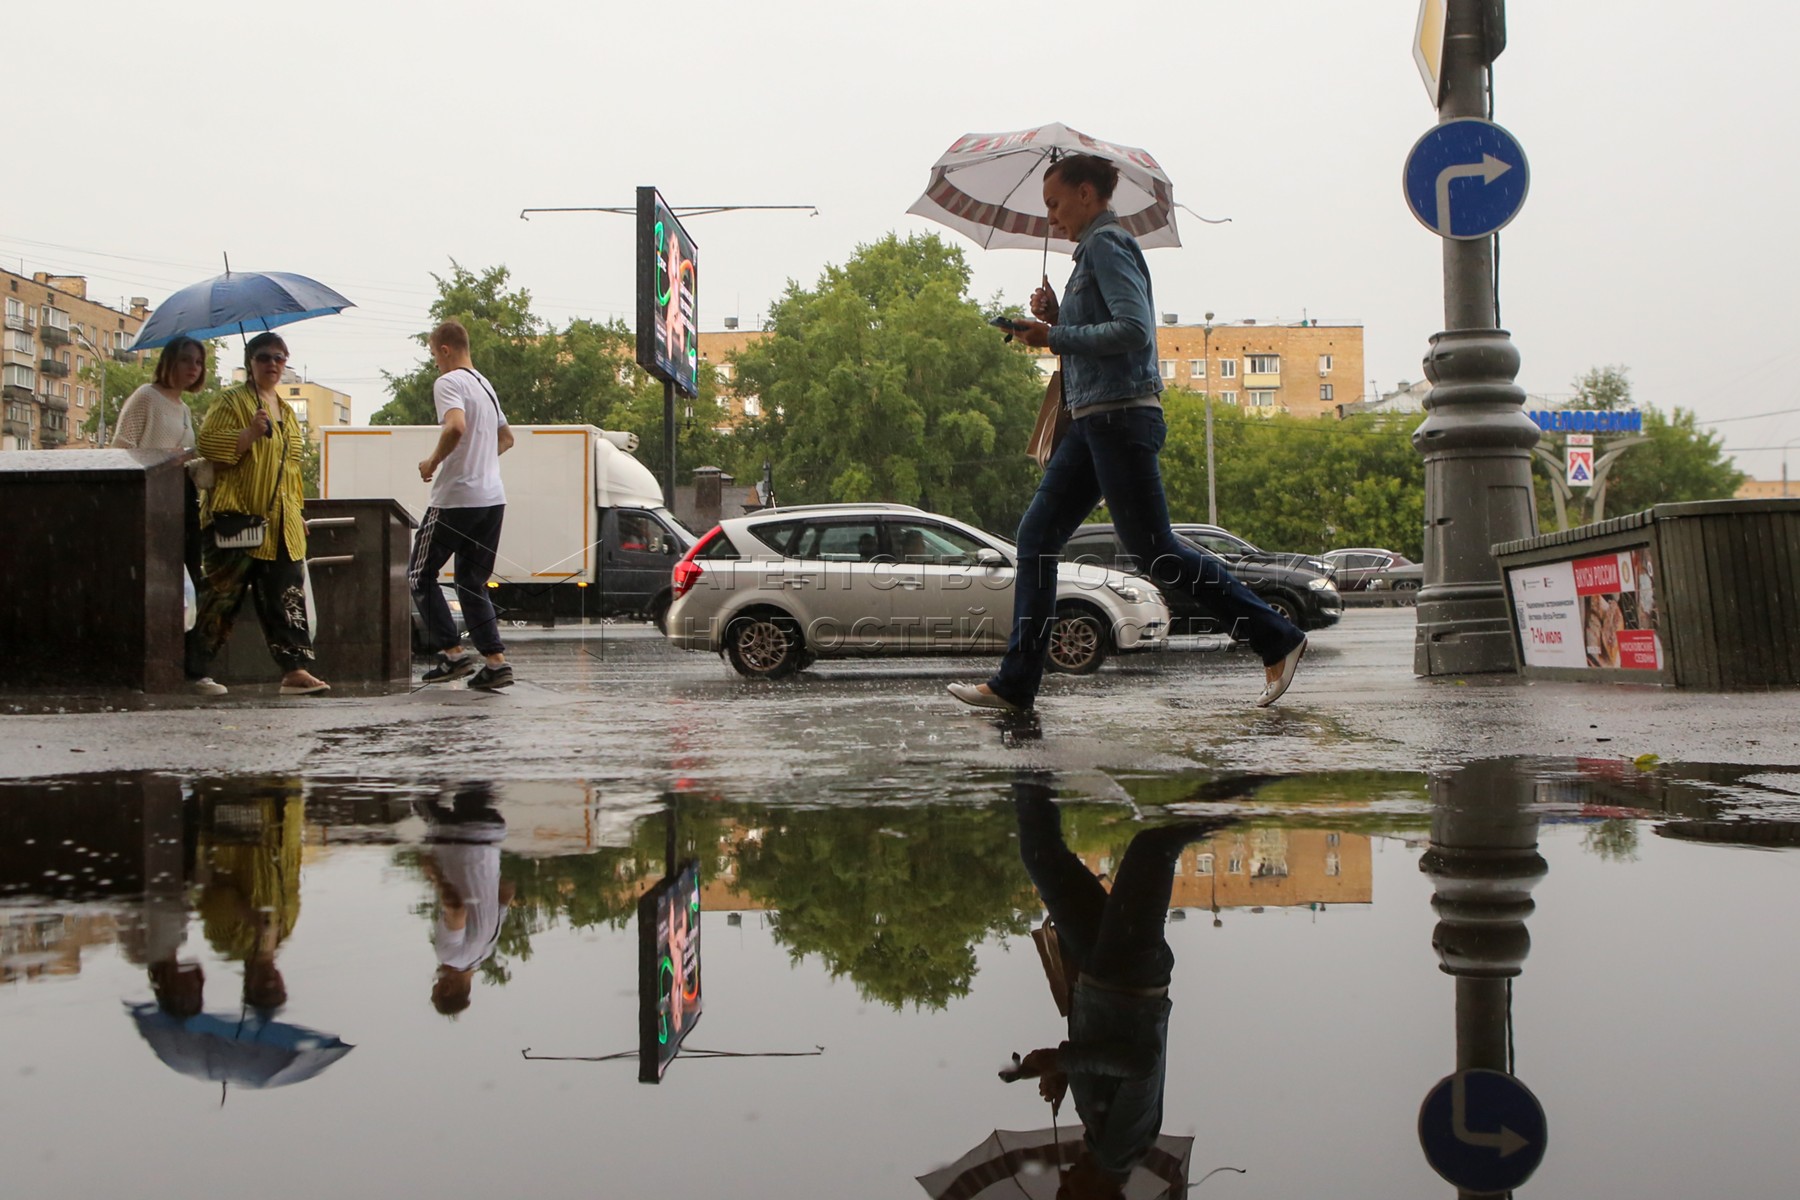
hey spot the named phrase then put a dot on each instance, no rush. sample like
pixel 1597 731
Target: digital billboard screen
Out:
pixel 668 969
pixel 668 289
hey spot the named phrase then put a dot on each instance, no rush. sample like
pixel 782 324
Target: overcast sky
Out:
pixel 368 144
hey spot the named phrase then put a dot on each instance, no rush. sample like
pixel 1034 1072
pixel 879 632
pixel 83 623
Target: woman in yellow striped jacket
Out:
pixel 253 439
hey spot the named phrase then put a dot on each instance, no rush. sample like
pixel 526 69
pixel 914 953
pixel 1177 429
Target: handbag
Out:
pixel 238 531
pixel 243 531
pixel 1049 947
pixel 1052 423
pixel 199 468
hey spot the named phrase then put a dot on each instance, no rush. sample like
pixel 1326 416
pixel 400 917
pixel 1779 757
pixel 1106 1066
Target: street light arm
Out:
pixel 100 366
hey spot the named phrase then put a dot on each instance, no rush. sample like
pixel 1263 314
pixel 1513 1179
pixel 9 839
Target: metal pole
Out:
pixel 1476 439
pixel 99 365
pixel 668 445
pixel 1212 491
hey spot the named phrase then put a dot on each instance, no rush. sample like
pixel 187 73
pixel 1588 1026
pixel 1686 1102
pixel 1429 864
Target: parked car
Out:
pixel 777 589
pixel 1355 568
pixel 1399 586
pixel 1233 549
pixel 1302 595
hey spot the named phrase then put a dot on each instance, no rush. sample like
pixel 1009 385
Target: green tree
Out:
pixel 882 382
pixel 1607 388
pixel 1679 461
pixel 114 381
pixel 896 899
pixel 1302 484
pixel 583 374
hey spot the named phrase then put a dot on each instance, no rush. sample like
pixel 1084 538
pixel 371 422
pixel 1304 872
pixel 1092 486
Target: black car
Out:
pixel 1234 549
pixel 1302 594
pixel 1355 569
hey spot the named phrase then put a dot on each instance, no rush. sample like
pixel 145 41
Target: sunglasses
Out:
pixel 268 356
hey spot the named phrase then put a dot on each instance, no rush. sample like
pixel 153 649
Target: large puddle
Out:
pixel 324 987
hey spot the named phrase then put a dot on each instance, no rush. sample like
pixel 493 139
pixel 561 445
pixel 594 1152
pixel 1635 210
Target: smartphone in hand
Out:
pixel 1007 323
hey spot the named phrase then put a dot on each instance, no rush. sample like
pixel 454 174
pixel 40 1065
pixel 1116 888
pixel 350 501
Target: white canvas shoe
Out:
pixel 972 695
pixel 1272 691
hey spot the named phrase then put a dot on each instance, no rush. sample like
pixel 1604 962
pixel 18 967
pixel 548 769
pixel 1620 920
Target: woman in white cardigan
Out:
pixel 156 417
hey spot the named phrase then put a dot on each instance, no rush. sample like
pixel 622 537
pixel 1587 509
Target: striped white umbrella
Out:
pixel 990 186
pixel 1014 1164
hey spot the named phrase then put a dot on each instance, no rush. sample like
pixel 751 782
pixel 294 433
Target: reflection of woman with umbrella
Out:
pixel 1105 331
pixel 1114 1060
pixel 250 896
pixel 249 860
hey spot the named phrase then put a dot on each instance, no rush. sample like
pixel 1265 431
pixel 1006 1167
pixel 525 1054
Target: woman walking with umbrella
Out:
pixel 254 532
pixel 1105 332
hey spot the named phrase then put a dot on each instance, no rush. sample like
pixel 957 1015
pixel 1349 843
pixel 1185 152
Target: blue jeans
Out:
pixel 1113 455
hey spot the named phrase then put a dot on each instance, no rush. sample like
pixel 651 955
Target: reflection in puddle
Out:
pixel 244 932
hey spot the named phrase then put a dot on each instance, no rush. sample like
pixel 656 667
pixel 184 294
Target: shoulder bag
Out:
pixel 1052 423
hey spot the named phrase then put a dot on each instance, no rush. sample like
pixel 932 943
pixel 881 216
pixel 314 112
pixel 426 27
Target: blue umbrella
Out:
pixel 247 1050
pixel 236 302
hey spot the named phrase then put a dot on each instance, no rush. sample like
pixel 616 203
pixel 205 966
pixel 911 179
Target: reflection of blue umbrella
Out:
pixel 249 1052
pixel 236 302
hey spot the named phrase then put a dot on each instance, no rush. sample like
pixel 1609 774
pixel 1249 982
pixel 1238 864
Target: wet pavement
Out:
pixel 390 944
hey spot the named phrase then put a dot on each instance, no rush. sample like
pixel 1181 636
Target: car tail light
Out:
pixel 687 572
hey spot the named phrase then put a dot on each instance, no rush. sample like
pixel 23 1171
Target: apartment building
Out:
pixel 53 332
pixel 1309 368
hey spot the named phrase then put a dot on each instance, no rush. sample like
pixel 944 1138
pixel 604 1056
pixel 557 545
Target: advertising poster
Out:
pixel 668 969
pixel 1589 612
pixel 668 328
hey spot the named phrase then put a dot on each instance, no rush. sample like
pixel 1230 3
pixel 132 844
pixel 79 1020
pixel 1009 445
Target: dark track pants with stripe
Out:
pixel 471 536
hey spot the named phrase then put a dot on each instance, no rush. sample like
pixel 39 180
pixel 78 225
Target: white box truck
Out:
pixel 579 510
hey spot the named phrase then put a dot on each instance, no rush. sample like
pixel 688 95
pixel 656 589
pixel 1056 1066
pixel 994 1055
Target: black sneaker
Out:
pixel 493 678
pixel 448 668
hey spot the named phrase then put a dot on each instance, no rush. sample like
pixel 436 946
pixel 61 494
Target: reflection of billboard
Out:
pixel 668 969
pixel 668 291
pixel 1589 612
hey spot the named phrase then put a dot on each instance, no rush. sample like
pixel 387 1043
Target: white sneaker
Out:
pixel 205 686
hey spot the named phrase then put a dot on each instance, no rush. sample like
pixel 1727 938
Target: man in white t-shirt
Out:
pixel 463 519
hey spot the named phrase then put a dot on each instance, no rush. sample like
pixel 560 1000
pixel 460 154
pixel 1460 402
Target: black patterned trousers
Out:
pixel 278 588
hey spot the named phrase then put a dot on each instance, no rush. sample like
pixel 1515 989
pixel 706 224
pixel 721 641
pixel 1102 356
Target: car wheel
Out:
pixel 1406 593
pixel 1077 641
pixel 764 645
pixel 659 614
pixel 1287 608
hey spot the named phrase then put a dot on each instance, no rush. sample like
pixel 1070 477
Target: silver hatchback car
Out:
pixel 777 589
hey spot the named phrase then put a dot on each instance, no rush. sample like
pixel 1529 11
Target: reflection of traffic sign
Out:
pixel 1466 178
pixel 1428 46
pixel 1580 463
pixel 1483 1131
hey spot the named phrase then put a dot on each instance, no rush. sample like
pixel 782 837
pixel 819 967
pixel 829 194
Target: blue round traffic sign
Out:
pixel 1483 1131
pixel 1466 179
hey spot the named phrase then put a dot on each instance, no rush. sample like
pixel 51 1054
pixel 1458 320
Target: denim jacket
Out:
pixel 1106 329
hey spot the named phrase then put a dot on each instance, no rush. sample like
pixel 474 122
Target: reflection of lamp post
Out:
pixel 1483 863
pixel 99 365
pixel 1212 493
